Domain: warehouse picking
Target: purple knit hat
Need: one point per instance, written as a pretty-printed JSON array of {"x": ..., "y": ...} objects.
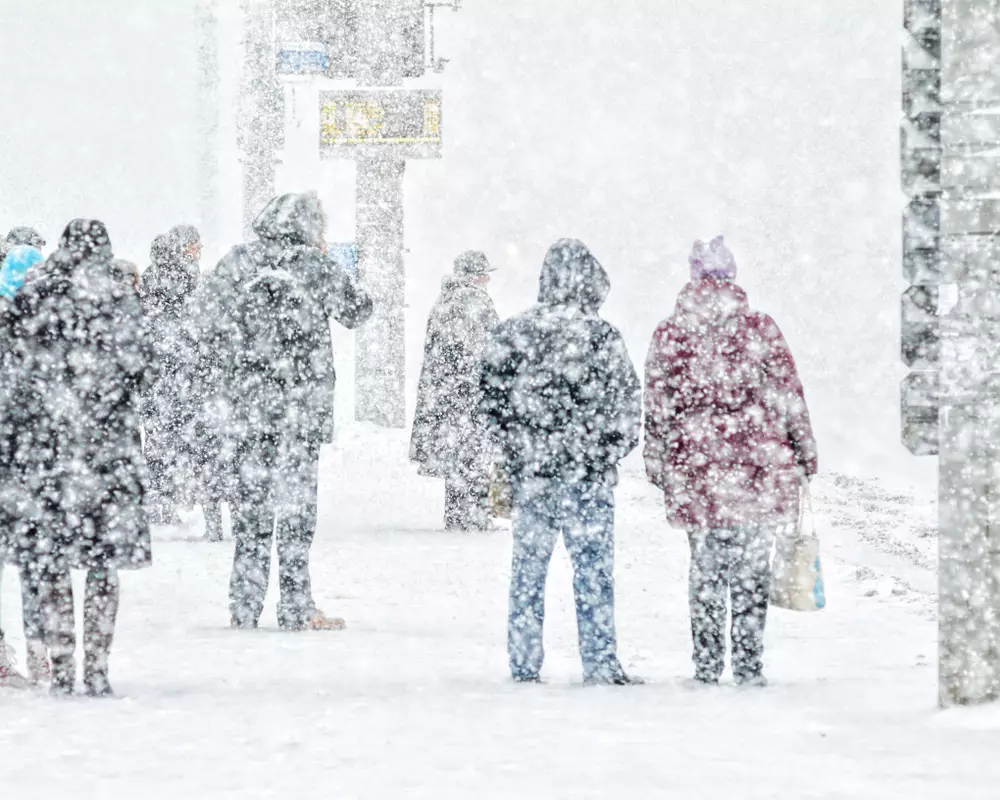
[{"x": 713, "y": 260}]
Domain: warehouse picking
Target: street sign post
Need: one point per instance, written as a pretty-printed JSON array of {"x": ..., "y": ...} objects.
[
  {"x": 379, "y": 129},
  {"x": 378, "y": 44},
  {"x": 950, "y": 404}
]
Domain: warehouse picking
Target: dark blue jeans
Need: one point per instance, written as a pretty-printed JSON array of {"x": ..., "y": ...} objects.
[{"x": 584, "y": 514}]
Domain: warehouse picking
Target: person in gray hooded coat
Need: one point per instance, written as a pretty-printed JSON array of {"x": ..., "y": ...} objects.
[
  {"x": 564, "y": 401},
  {"x": 267, "y": 309},
  {"x": 167, "y": 287},
  {"x": 449, "y": 437}
]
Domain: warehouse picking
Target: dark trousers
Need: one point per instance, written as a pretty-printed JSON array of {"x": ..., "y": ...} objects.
[
  {"x": 466, "y": 503},
  {"x": 729, "y": 565},
  {"x": 273, "y": 500},
  {"x": 51, "y": 592}
]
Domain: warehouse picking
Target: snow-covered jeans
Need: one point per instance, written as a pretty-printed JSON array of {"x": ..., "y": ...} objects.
[
  {"x": 281, "y": 499},
  {"x": 584, "y": 513},
  {"x": 729, "y": 565}
]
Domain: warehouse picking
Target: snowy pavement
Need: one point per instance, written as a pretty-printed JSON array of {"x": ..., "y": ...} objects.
[{"x": 414, "y": 701}]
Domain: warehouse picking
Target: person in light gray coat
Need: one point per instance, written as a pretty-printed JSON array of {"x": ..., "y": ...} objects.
[{"x": 449, "y": 438}]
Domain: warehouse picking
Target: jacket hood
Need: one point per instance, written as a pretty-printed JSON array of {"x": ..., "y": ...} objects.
[
  {"x": 22, "y": 234},
  {"x": 86, "y": 240},
  {"x": 572, "y": 276},
  {"x": 14, "y": 269},
  {"x": 710, "y": 301},
  {"x": 292, "y": 219}
]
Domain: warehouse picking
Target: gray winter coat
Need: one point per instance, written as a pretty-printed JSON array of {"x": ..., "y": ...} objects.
[
  {"x": 289, "y": 230},
  {"x": 558, "y": 387},
  {"x": 74, "y": 477},
  {"x": 449, "y": 429}
]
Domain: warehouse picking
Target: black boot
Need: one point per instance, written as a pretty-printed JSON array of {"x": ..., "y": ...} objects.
[
  {"x": 213, "y": 521},
  {"x": 99, "y": 613},
  {"x": 63, "y": 676},
  {"x": 95, "y": 675}
]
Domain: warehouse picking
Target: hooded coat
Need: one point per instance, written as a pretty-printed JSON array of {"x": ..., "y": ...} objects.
[
  {"x": 236, "y": 323},
  {"x": 167, "y": 288},
  {"x": 449, "y": 431},
  {"x": 558, "y": 387},
  {"x": 78, "y": 356},
  {"x": 14, "y": 268},
  {"x": 728, "y": 433}
]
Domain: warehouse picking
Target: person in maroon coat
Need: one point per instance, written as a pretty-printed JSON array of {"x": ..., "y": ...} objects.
[{"x": 728, "y": 441}]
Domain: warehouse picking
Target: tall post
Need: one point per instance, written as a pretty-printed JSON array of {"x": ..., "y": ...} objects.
[
  {"x": 969, "y": 548},
  {"x": 390, "y": 35},
  {"x": 261, "y": 114},
  {"x": 208, "y": 108},
  {"x": 381, "y": 352}
]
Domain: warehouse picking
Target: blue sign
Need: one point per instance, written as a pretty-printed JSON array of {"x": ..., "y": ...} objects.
[
  {"x": 313, "y": 60},
  {"x": 345, "y": 254}
]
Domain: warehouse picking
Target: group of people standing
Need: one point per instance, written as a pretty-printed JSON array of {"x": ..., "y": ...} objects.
[
  {"x": 548, "y": 403},
  {"x": 124, "y": 396}
]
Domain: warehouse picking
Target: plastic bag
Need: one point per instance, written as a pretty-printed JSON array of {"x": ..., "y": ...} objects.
[
  {"x": 501, "y": 498},
  {"x": 796, "y": 570}
]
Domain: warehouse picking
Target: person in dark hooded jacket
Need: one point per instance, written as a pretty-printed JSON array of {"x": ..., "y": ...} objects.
[
  {"x": 75, "y": 477},
  {"x": 728, "y": 441},
  {"x": 267, "y": 308},
  {"x": 563, "y": 399},
  {"x": 167, "y": 288},
  {"x": 449, "y": 437}
]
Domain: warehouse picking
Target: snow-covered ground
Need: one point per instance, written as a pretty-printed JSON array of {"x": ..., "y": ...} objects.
[{"x": 413, "y": 700}]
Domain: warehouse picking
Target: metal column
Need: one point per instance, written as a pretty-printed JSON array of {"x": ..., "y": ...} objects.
[
  {"x": 380, "y": 378},
  {"x": 969, "y": 635},
  {"x": 261, "y": 114}
]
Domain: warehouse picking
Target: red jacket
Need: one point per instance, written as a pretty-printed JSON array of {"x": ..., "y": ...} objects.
[{"x": 727, "y": 429}]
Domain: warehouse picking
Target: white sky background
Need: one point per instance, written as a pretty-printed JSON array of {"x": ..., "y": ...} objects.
[{"x": 636, "y": 125}]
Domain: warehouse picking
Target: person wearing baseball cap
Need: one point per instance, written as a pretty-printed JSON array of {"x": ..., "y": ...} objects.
[{"x": 449, "y": 437}]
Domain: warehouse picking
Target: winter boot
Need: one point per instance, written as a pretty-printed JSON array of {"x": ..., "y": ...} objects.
[
  {"x": 39, "y": 669},
  {"x": 754, "y": 681},
  {"x": 95, "y": 674},
  {"x": 321, "y": 622},
  {"x": 63, "y": 675},
  {"x": 100, "y": 610},
  {"x": 213, "y": 527},
  {"x": 10, "y": 678},
  {"x": 611, "y": 675}
]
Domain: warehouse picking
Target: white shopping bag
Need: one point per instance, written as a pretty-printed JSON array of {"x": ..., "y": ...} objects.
[{"x": 796, "y": 571}]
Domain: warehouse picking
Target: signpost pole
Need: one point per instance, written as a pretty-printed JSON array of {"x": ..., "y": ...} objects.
[
  {"x": 381, "y": 349},
  {"x": 261, "y": 116},
  {"x": 208, "y": 106},
  {"x": 969, "y": 547},
  {"x": 380, "y": 366}
]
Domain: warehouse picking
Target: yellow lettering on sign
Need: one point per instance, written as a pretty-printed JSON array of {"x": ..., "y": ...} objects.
[
  {"x": 364, "y": 119},
  {"x": 432, "y": 119},
  {"x": 329, "y": 124}
]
